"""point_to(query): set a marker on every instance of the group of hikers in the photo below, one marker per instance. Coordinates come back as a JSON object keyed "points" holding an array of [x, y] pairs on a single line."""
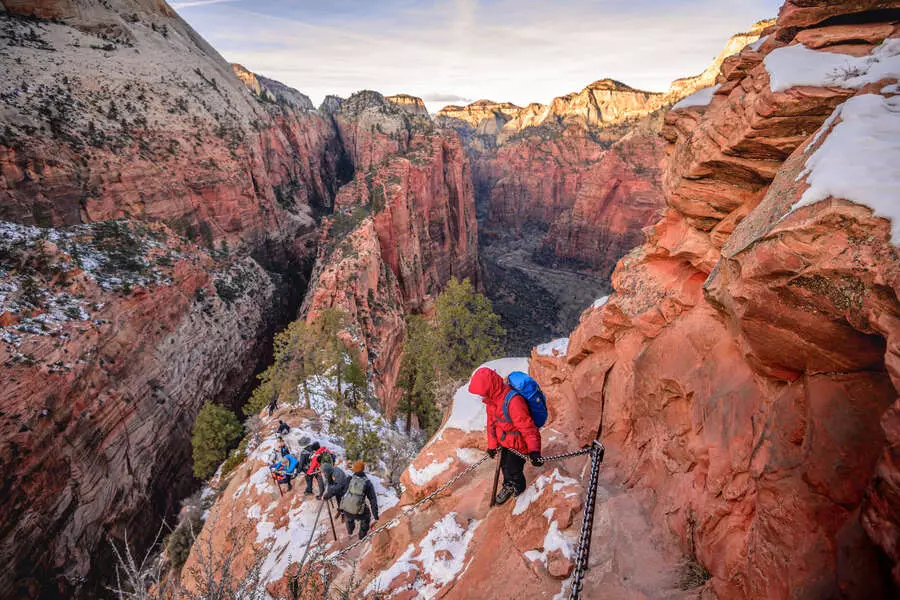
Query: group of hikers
{"points": [[355, 494], [516, 410]]}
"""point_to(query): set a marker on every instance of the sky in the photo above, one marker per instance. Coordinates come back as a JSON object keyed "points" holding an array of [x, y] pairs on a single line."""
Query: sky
{"points": [[458, 51]]}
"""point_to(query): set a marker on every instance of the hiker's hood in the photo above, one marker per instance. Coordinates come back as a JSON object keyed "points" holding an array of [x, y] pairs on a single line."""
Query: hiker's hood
{"points": [[486, 383]]}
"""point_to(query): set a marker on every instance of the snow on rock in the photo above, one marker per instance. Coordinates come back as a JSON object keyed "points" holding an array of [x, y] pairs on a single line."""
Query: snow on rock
{"points": [[555, 480], [797, 65], [860, 159], [755, 46], [600, 302], [440, 558], [699, 98], [469, 455], [467, 413], [894, 88], [557, 347], [555, 539], [422, 476]]}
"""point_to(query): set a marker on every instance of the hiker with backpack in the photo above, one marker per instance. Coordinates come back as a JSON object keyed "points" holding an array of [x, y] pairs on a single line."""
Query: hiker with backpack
{"points": [[320, 457], [283, 447], [283, 427], [515, 409], [353, 504], [286, 470], [337, 481]]}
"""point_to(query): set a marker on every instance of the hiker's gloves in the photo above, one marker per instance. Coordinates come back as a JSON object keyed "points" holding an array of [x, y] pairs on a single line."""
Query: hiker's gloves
{"points": [[492, 452], [535, 458]]}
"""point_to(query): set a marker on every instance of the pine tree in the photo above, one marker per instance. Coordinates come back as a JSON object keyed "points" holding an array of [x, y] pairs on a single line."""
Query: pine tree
{"points": [[215, 432], [327, 326], [467, 327], [356, 379]]}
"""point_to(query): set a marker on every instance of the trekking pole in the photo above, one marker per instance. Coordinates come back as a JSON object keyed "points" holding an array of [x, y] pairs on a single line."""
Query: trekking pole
{"points": [[278, 485], [496, 481], [312, 533], [331, 519]]}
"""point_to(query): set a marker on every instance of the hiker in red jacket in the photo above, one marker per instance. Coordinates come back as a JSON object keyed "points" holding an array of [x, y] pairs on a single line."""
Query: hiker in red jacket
{"points": [[314, 471], [520, 434]]}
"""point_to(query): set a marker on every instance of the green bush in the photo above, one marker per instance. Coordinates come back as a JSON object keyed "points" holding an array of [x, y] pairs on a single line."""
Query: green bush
{"points": [[178, 543], [216, 431], [235, 457], [361, 439]]}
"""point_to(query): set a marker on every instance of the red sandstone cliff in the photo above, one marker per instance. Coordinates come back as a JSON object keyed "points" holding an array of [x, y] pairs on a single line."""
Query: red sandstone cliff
{"points": [[746, 368], [115, 334], [415, 183]]}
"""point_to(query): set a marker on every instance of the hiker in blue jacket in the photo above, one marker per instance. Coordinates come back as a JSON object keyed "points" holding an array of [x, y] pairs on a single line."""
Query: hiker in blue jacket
{"points": [[286, 470]]}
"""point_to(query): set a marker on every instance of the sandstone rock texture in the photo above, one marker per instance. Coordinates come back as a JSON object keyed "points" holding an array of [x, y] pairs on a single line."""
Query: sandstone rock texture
{"points": [[116, 332], [745, 371], [410, 215]]}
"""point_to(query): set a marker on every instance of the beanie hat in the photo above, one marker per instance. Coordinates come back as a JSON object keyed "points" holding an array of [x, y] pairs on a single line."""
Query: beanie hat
{"points": [[359, 466]]}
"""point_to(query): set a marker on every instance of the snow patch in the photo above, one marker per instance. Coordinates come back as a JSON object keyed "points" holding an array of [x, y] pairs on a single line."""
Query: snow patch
{"points": [[469, 455], [468, 413], [797, 65], [422, 476], [600, 302], [755, 46], [555, 480], [446, 536], [555, 539], [860, 159], [894, 88], [699, 98], [556, 347]]}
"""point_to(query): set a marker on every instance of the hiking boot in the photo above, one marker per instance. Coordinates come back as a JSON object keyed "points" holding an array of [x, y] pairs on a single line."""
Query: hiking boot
{"points": [[505, 493]]}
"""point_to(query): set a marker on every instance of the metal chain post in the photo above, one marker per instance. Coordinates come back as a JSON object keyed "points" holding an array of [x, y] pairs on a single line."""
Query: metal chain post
{"points": [[587, 524]]}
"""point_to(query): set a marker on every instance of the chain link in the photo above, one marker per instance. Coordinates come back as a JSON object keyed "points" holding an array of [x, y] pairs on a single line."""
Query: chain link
{"points": [[334, 557], [552, 457], [587, 523], [596, 450]]}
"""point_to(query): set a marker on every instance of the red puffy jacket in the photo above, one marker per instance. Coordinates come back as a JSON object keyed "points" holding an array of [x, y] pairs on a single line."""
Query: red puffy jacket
{"points": [[521, 434], [314, 463]]}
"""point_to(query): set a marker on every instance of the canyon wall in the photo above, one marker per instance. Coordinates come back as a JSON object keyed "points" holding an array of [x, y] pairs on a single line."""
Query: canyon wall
{"points": [[411, 207], [116, 332], [745, 371]]}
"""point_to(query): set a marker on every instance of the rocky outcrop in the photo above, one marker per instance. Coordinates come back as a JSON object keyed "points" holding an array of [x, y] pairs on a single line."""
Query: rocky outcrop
{"points": [[412, 206], [116, 332], [744, 370], [617, 198], [411, 104]]}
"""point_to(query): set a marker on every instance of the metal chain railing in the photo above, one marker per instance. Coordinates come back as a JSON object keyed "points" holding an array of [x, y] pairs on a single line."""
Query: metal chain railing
{"points": [[552, 457], [587, 523], [596, 450], [337, 555]]}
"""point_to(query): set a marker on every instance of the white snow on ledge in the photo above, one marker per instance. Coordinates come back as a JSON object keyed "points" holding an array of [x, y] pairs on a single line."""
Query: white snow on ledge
{"points": [[860, 159], [755, 46], [600, 302], [468, 413], [797, 65], [700, 98], [561, 346], [422, 476]]}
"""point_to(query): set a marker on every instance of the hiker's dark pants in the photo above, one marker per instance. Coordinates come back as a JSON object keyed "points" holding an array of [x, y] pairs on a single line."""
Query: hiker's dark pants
{"points": [[513, 469], [365, 520], [286, 479], [319, 479]]}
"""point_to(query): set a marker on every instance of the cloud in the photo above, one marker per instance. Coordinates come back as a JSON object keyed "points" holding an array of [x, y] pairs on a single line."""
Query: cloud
{"points": [[516, 50], [192, 3], [445, 98]]}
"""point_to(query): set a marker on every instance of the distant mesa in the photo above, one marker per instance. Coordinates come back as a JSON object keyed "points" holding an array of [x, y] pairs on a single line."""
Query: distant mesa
{"points": [[272, 91], [411, 104]]}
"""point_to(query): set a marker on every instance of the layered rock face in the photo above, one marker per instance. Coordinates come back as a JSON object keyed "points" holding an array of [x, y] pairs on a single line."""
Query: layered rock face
{"points": [[412, 206], [115, 333], [745, 370]]}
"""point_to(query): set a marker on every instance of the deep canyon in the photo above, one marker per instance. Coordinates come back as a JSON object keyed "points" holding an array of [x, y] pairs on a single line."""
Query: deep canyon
{"points": [[163, 213]]}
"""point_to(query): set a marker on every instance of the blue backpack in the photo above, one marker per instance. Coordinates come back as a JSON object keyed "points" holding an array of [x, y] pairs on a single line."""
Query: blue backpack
{"points": [[523, 385]]}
